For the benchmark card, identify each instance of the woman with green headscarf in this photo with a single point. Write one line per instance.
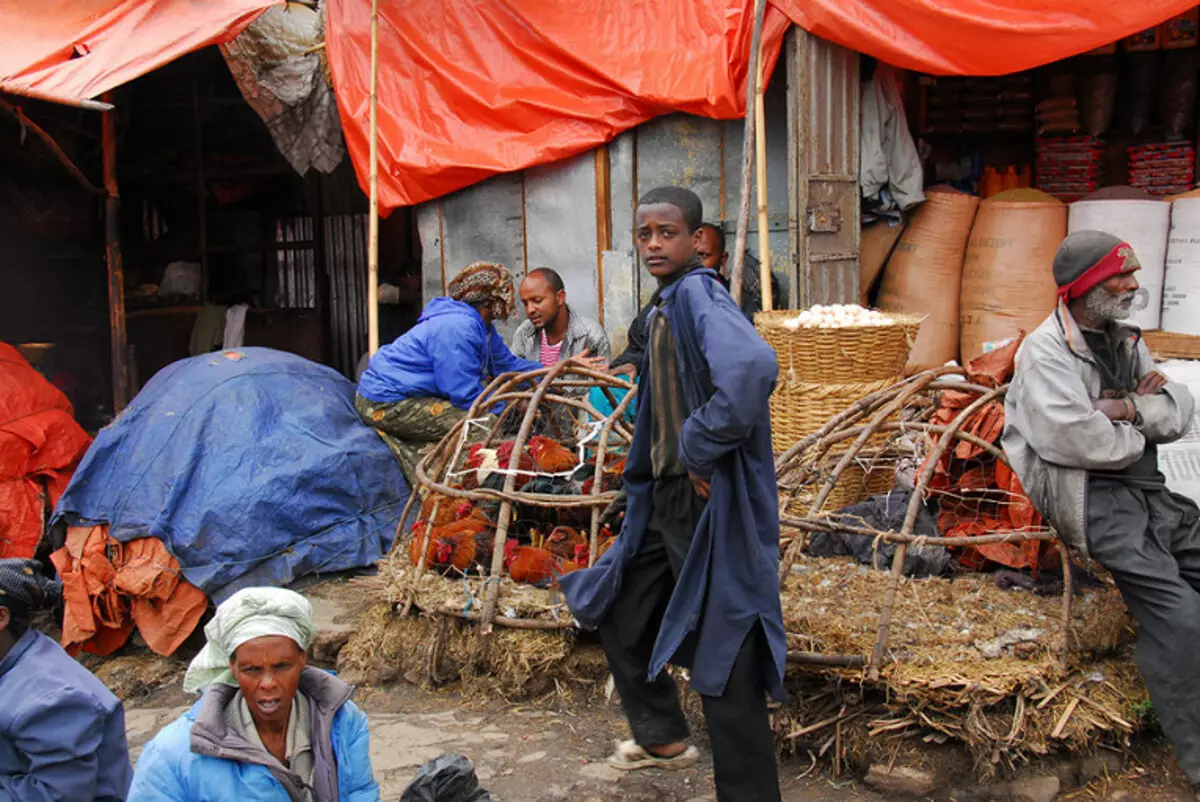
(268, 726)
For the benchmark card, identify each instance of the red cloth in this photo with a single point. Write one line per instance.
(40, 445)
(977, 493)
(1115, 263)
(109, 588)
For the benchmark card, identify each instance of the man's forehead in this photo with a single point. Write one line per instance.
(659, 213)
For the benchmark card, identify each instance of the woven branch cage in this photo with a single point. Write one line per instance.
(550, 401)
(874, 438)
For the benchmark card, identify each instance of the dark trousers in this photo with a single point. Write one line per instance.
(739, 725)
(1150, 541)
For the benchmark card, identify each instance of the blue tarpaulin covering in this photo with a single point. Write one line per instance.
(251, 466)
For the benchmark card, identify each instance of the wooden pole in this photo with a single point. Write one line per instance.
(54, 147)
(739, 245)
(760, 163)
(89, 105)
(373, 222)
(118, 341)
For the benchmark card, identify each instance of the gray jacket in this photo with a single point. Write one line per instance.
(582, 332)
(326, 693)
(1053, 436)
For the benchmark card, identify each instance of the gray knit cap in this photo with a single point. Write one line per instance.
(1081, 251)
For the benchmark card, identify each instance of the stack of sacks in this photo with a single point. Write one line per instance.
(1166, 169)
(1068, 167)
(1057, 115)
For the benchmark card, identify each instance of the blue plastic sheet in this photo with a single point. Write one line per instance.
(251, 466)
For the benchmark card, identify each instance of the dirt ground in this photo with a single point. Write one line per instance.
(555, 748)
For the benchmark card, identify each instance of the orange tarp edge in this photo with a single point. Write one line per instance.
(72, 50)
(110, 588)
(469, 90)
(976, 37)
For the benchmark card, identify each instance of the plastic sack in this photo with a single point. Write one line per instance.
(449, 778)
(924, 275)
(1008, 281)
(1099, 102)
(1177, 92)
(1138, 90)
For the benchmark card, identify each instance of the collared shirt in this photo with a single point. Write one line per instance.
(582, 332)
(298, 757)
(670, 409)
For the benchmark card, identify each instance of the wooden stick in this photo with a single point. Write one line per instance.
(118, 341)
(1068, 591)
(760, 160)
(89, 105)
(513, 623)
(739, 246)
(373, 221)
(49, 141)
(832, 660)
(910, 518)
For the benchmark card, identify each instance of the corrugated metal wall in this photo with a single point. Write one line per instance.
(549, 215)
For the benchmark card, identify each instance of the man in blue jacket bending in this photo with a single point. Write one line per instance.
(416, 389)
(693, 577)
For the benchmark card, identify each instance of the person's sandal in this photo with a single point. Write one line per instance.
(631, 757)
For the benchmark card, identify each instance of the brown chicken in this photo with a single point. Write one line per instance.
(550, 456)
(565, 542)
(531, 565)
(447, 509)
(414, 548)
(466, 551)
(444, 539)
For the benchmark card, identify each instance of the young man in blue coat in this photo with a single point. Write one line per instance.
(692, 578)
(416, 389)
(62, 733)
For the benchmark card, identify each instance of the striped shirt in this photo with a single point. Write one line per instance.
(550, 353)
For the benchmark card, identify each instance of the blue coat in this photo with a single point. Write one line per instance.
(169, 771)
(730, 579)
(62, 733)
(446, 355)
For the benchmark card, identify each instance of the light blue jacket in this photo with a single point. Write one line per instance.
(446, 355)
(62, 733)
(198, 759)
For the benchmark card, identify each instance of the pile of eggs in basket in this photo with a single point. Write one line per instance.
(837, 316)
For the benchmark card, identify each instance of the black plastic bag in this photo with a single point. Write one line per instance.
(449, 778)
(1137, 89)
(1177, 92)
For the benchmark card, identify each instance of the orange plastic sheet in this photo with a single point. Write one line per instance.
(40, 445)
(69, 50)
(976, 37)
(109, 588)
(471, 89)
(977, 493)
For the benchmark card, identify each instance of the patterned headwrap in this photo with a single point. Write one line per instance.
(485, 283)
(24, 589)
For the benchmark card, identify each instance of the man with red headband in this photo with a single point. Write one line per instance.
(1084, 417)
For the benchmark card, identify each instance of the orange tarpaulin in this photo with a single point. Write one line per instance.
(109, 588)
(976, 37)
(471, 89)
(75, 49)
(40, 445)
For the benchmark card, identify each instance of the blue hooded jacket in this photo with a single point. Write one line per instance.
(730, 578)
(62, 733)
(446, 355)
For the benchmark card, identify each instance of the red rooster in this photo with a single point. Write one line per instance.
(551, 456)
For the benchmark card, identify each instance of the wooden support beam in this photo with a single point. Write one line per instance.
(58, 152)
(373, 222)
(603, 221)
(743, 227)
(118, 341)
(90, 105)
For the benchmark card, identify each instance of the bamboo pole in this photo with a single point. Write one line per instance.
(118, 341)
(373, 222)
(54, 147)
(739, 244)
(760, 164)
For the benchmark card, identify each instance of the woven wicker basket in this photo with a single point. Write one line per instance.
(1169, 345)
(855, 484)
(839, 355)
(800, 408)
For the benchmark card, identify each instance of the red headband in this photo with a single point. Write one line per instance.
(1115, 263)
